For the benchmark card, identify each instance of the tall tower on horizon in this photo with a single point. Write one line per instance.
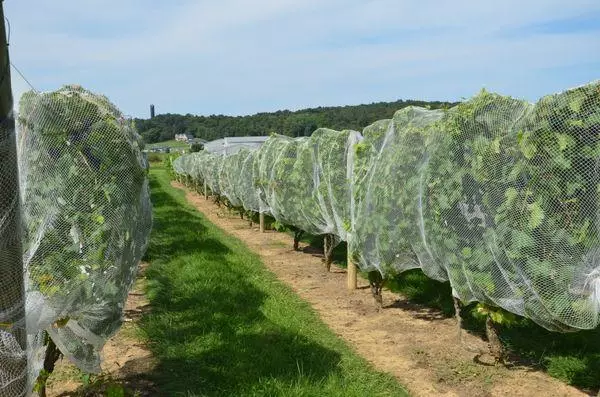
(151, 111)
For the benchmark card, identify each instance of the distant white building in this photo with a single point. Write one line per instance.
(184, 137)
(230, 145)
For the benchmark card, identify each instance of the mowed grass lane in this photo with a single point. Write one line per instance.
(222, 325)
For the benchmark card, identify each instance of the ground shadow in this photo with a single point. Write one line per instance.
(570, 357)
(315, 246)
(209, 332)
(418, 310)
(133, 379)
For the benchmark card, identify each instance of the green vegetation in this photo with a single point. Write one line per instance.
(173, 144)
(529, 169)
(156, 157)
(86, 218)
(497, 195)
(221, 324)
(299, 123)
(71, 171)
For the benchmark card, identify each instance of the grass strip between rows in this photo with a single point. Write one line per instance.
(221, 324)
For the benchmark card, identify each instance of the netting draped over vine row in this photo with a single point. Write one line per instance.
(496, 195)
(87, 216)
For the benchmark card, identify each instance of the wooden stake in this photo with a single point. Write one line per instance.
(12, 295)
(205, 191)
(261, 218)
(328, 250)
(352, 272)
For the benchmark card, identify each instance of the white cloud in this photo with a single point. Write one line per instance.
(235, 56)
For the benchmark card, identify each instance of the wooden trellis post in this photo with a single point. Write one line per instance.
(352, 271)
(12, 291)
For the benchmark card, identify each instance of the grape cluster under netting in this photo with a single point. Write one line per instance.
(86, 216)
(496, 195)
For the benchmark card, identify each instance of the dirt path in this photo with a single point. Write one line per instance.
(414, 343)
(126, 360)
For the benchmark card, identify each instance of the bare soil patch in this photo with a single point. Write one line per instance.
(416, 344)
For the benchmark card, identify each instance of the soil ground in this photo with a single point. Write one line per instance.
(416, 344)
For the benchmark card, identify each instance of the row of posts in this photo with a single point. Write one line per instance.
(351, 270)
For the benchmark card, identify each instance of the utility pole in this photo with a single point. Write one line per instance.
(13, 340)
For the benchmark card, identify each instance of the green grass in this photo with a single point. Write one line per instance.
(172, 144)
(222, 325)
(573, 357)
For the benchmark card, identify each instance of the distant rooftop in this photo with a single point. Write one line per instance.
(230, 145)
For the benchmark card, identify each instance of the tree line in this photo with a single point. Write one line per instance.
(291, 123)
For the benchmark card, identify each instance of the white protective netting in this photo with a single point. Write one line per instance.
(285, 186)
(332, 172)
(229, 177)
(496, 195)
(212, 171)
(13, 338)
(304, 181)
(386, 197)
(248, 191)
(87, 218)
(179, 166)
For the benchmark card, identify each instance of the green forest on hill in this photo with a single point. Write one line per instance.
(291, 123)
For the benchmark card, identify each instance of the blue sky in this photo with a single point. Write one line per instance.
(241, 57)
